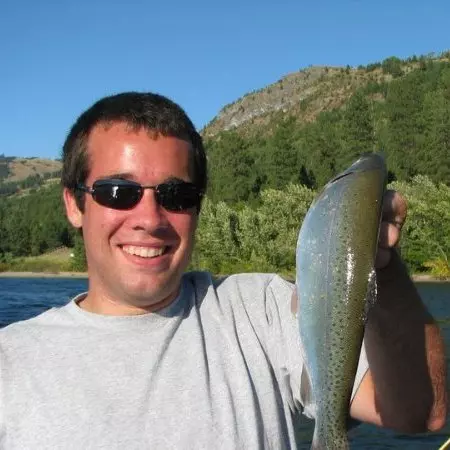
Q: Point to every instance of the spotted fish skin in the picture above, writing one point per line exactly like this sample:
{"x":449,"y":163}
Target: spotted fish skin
{"x":335,"y":257}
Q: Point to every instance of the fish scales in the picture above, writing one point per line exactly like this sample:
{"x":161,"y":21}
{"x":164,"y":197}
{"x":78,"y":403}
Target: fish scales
{"x":335,"y":259}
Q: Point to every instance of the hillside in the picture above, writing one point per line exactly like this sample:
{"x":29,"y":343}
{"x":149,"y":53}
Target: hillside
{"x":18,"y":174}
{"x":21,"y":168}
{"x":310,"y":125}
{"x":307,"y":93}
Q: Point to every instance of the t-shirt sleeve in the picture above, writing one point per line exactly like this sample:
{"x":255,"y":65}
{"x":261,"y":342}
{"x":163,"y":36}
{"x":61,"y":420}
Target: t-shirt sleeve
{"x":285,"y":350}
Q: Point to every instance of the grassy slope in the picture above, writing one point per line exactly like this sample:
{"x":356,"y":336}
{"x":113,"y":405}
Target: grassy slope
{"x":21,"y":168}
{"x":56,"y":261}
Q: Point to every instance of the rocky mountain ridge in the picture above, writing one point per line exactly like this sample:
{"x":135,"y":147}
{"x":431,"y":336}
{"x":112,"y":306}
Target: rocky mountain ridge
{"x":308,"y":92}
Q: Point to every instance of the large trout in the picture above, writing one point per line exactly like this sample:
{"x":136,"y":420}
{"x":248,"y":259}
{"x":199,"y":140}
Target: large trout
{"x":336,"y":251}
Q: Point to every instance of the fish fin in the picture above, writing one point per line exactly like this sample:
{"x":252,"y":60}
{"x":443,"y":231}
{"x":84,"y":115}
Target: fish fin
{"x":306,"y":394}
{"x":315,"y":445}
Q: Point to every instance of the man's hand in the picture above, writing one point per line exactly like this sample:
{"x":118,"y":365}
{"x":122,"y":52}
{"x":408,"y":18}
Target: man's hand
{"x":405,"y":386}
{"x":393,"y":218}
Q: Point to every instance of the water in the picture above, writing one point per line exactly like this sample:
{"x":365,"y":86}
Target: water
{"x":22,"y":298}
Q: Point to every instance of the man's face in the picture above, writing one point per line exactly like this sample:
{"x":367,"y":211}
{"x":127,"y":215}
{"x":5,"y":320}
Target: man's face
{"x":135,"y":257}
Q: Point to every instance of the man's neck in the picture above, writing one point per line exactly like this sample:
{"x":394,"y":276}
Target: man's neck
{"x":107,"y":306}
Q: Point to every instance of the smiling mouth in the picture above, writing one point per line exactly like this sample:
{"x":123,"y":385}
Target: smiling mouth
{"x":144,"y":252}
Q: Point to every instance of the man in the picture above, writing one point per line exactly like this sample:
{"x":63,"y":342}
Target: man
{"x":152,"y":357}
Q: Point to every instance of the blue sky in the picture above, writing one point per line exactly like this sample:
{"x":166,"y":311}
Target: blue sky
{"x":58,"y":57}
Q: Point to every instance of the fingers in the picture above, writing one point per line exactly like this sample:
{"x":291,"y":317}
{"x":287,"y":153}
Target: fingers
{"x":389,"y":235}
{"x":383,"y":257}
{"x":393,"y":217}
{"x":394,"y":208}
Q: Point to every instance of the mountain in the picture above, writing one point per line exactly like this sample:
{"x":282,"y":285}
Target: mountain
{"x":310,"y":125}
{"x":308,"y":92}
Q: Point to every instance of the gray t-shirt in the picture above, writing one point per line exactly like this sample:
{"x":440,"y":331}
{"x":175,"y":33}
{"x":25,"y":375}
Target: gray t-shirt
{"x":219,"y":368}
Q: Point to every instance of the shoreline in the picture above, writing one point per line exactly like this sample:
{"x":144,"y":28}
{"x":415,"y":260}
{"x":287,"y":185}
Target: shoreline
{"x":43,"y":274}
{"x":421,"y":278}
{"x":424,"y":278}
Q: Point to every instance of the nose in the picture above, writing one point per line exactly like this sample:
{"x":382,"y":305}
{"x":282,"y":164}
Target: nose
{"x":148,"y":215}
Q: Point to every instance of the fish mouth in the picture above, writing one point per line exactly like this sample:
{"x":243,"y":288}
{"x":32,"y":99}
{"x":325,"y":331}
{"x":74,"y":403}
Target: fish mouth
{"x":340,"y":176}
{"x":366,"y":163}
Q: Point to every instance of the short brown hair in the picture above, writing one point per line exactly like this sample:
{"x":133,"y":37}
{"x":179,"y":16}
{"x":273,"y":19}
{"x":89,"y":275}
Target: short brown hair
{"x":153,"y":112}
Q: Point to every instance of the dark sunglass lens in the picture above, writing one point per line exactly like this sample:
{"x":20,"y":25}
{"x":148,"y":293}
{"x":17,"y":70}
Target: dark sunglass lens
{"x":117,"y":196}
{"x":178,"y":196}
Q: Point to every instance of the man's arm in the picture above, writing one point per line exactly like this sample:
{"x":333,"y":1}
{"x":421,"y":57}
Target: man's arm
{"x":405,"y":387}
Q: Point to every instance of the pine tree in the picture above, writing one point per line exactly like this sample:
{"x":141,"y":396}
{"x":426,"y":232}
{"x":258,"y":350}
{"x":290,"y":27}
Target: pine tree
{"x":358,"y":130}
{"x":79,"y":263}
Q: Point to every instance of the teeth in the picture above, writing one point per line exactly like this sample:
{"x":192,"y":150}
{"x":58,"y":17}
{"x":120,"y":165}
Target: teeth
{"x":143,"y":252}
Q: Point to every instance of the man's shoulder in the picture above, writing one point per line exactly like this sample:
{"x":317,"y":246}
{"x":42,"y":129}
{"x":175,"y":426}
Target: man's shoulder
{"x":247,"y":288}
{"x":264,"y":280}
{"x":251,"y":280}
{"x":46,"y":319}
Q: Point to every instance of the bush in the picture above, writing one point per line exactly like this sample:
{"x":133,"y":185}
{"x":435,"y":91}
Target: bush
{"x":263,"y":239}
{"x":392,"y":66}
{"x":4,"y":267}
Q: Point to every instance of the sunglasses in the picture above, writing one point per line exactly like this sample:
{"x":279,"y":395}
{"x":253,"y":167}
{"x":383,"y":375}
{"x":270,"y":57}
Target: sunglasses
{"x":121,"y":194}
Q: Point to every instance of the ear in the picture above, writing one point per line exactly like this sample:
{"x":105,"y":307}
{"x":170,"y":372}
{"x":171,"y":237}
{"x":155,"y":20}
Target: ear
{"x":74,"y":215}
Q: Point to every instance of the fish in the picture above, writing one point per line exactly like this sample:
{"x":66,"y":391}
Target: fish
{"x":335,"y":286}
